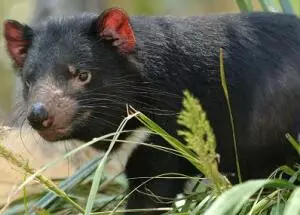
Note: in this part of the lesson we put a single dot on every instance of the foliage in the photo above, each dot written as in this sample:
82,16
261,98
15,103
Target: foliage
200,147
90,189
200,139
286,6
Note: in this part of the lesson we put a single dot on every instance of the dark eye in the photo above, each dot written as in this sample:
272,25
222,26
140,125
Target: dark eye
84,76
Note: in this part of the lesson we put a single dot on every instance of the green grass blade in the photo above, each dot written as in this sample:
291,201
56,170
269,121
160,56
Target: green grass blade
294,142
202,205
188,154
18,161
268,6
100,169
287,6
261,204
25,199
225,89
287,170
232,200
245,5
293,204
70,182
94,188
171,140
4,152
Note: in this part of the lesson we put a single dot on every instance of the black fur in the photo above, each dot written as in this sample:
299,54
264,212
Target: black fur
261,60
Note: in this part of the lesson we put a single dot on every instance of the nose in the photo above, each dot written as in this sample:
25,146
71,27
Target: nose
39,117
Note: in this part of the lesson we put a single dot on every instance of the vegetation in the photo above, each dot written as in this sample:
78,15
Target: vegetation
215,197
90,189
286,6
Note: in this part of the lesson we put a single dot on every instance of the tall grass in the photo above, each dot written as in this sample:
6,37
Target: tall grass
90,189
285,6
217,196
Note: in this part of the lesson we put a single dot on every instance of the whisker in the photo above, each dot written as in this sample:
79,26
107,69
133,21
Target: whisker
68,159
98,103
22,140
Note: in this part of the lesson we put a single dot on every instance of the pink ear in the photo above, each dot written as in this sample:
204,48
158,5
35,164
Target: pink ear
17,45
113,24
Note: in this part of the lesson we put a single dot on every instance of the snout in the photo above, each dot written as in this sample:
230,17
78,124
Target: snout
39,117
52,126
52,108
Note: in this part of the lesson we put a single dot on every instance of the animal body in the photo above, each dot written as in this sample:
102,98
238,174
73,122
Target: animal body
80,72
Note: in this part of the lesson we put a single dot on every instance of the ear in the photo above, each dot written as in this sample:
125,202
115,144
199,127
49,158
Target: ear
113,25
17,38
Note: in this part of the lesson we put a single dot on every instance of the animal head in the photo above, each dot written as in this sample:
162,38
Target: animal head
76,73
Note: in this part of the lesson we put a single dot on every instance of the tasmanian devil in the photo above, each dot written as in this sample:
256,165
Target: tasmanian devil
80,72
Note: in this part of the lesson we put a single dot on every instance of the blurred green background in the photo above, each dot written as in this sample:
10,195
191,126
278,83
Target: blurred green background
28,11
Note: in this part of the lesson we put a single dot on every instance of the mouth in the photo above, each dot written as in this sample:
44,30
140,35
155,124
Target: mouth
62,132
55,134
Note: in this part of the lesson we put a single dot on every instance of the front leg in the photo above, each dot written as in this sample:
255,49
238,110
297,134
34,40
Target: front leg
149,162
